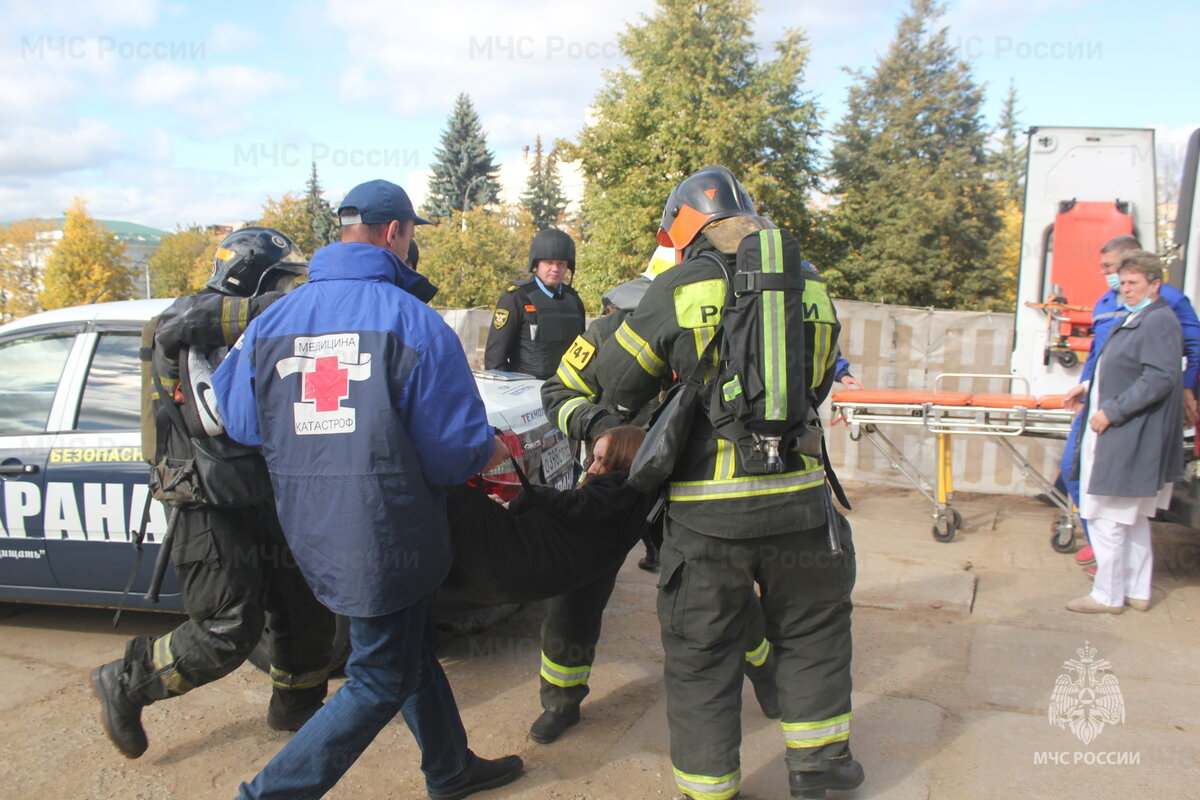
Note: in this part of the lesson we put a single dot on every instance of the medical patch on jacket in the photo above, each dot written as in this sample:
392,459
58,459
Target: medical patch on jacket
500,318
579,353
327,364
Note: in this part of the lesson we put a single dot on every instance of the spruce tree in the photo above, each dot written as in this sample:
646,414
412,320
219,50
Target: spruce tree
916,214
321,217
464,169
1009,153
694,91
543,197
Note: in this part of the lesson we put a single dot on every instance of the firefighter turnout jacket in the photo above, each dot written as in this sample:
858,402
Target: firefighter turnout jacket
710,491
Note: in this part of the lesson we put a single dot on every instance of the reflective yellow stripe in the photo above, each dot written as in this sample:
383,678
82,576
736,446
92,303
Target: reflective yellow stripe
774,329
640,349
566,410
164,667
815,734
564,676
303,680
758,656
705,787
748,486
724,469
573,381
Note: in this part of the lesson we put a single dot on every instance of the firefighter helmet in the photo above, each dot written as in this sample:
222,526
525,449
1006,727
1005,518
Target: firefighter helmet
708,195
249,262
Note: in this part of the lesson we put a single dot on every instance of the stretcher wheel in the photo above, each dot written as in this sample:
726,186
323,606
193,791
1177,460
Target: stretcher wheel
1062,537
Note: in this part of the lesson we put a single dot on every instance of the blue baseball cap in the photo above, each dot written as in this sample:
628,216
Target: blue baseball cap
377,201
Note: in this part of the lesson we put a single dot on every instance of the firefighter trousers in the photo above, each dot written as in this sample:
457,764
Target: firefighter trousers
571,630
705,605
236,574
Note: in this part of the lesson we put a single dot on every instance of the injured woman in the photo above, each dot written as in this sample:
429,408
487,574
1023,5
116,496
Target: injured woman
547,542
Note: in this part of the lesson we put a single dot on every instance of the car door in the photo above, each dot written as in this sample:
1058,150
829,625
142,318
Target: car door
32,366
96,481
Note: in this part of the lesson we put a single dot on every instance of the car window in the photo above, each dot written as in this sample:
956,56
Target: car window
111,395
29,372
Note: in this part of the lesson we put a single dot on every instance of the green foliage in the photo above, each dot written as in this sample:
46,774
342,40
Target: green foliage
1008,156
694,92
543,197
916,215
321,217
472,261
289,216
87,265
21,250
176,268
464,170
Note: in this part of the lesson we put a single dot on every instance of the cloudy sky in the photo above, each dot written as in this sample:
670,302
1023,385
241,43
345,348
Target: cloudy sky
167,113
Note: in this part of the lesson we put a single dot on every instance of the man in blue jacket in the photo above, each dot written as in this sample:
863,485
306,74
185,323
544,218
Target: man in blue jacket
363,403
1105,314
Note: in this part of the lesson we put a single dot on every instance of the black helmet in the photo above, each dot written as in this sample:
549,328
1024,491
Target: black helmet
626,296
249,260
710,194
552,244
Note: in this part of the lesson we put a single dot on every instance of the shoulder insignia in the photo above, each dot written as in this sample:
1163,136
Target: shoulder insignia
579,353
500,318
511,288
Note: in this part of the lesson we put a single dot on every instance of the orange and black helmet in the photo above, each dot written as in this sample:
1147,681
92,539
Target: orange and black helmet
710,194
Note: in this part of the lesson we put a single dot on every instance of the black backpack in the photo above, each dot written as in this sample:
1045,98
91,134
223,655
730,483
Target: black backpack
760,399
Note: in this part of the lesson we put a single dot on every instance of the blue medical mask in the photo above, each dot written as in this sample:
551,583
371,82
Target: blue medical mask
1113,280
1145,302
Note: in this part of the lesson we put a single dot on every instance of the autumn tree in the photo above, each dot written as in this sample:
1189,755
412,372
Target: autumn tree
178,266
87,265
543,197
464,170
22,249
472,264
289,216
916,212
695,90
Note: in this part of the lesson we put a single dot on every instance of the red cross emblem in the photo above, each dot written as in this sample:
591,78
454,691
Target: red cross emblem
327,384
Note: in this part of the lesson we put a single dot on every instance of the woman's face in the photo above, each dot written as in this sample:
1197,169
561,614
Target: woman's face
1135,288
599,452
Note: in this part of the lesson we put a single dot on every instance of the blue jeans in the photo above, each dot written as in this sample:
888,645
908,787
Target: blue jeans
1069,458
392,669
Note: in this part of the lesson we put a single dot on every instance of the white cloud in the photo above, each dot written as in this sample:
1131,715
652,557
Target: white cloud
229,37
78,16
34,150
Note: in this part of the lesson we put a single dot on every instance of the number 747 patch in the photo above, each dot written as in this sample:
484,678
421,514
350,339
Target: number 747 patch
579,353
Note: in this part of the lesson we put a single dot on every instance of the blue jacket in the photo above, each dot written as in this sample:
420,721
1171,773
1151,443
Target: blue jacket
1108,311
362,400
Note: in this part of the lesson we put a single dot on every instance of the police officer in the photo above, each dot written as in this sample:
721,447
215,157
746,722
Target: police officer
233,565
576,401
535,319
728,529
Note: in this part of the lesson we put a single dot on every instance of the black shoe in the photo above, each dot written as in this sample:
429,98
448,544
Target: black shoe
292,721
845,776
551,724
488,774
121,716
648,563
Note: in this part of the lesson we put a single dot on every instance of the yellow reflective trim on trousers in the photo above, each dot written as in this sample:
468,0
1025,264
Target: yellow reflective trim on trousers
559,675
816,734
705,787
574,381
164,667
305,680
758,656
748,486
724,466
566,410
640,349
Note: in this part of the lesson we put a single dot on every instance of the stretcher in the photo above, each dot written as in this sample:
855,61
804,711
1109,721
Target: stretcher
999,417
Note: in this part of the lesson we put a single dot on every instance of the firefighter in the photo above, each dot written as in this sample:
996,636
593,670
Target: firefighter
577,403
535,319
235,571
728,529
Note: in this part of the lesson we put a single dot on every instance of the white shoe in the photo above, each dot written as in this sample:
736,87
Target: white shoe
1088,605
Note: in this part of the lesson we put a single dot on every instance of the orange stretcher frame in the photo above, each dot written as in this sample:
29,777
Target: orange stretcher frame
998,416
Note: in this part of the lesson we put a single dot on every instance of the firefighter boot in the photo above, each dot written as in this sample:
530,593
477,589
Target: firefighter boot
121,716
552,724
845,776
